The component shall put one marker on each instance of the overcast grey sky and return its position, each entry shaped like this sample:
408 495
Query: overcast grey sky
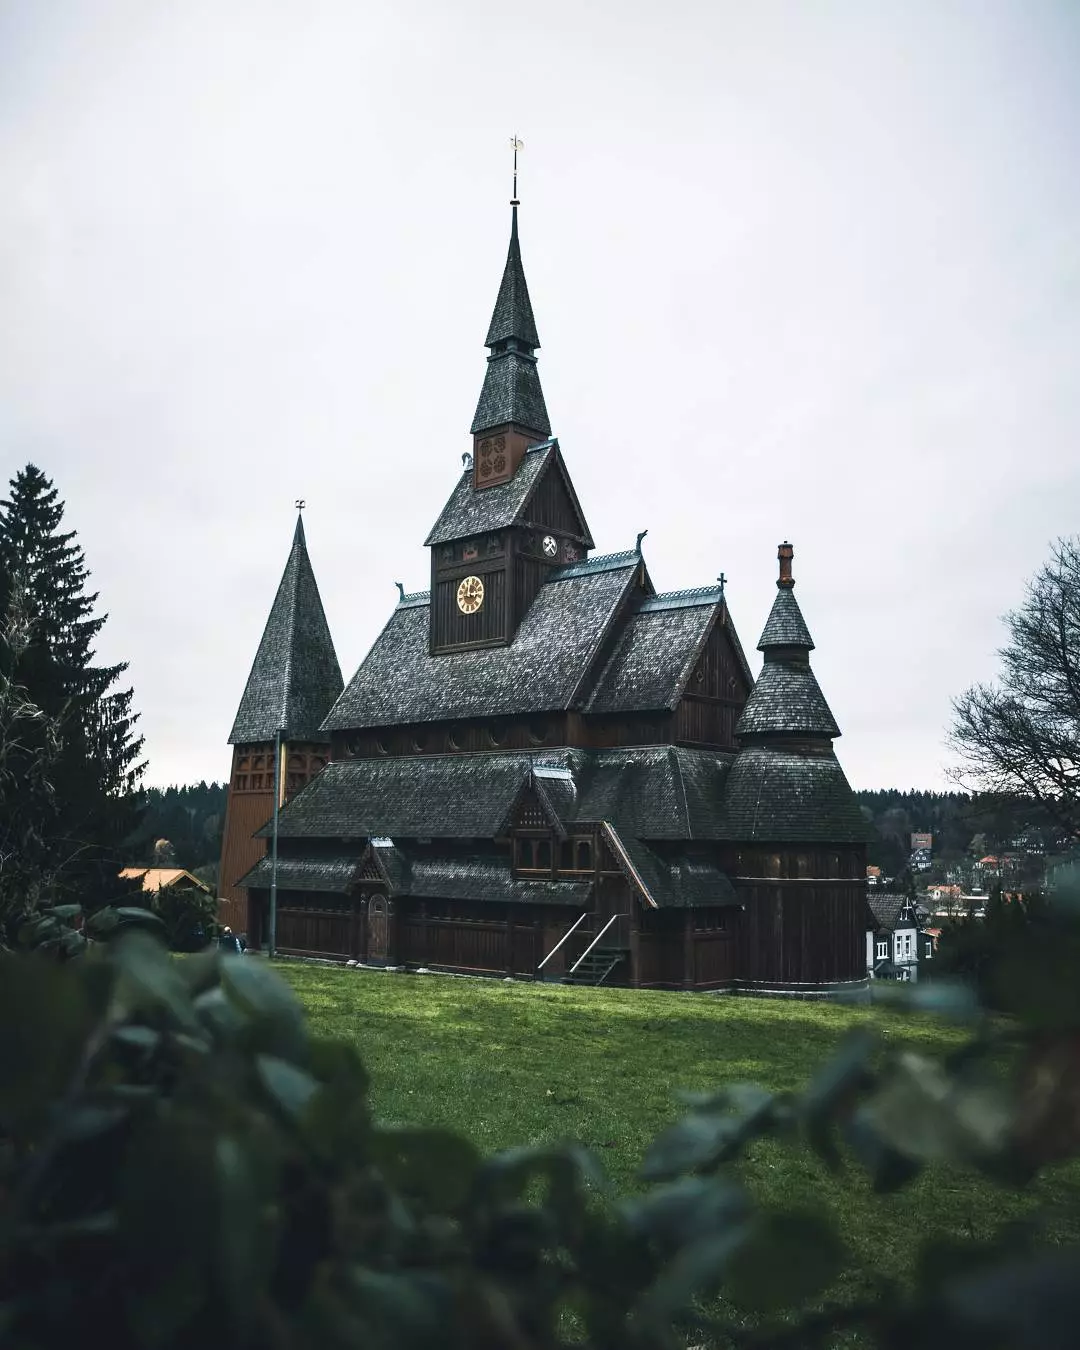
803 269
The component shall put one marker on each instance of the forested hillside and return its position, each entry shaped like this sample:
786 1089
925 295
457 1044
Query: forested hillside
962 825
181 827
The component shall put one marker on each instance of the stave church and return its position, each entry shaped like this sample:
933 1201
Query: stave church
544 768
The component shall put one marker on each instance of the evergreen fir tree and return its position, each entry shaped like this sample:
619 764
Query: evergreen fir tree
96 772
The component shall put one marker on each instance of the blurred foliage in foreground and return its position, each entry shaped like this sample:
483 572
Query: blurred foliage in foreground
183 1165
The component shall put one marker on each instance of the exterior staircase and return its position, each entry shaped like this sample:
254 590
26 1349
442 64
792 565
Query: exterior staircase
597 966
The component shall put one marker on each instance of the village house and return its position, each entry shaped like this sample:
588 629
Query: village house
893 937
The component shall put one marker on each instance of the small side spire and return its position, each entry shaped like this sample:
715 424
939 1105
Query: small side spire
786 701
786 626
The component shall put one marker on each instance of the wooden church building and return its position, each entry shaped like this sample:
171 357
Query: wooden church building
544 767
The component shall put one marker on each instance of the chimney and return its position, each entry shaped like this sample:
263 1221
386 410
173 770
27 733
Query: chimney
785 553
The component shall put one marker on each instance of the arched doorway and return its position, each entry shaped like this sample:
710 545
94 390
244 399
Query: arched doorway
378 930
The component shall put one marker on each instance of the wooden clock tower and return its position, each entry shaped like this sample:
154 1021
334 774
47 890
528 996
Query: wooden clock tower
515 514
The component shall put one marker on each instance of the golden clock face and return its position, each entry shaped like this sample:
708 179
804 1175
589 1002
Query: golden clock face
470 595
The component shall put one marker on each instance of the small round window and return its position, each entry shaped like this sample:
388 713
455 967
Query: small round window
538 732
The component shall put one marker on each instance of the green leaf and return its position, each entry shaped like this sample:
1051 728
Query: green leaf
788 1259
291 1088
567 1168
889 1168
169 1220
944 997
923 1111
696 1270
701 1142
686 1210
833 1089
65 911
436 1166
45 1021
240 1267
275 1017
148 978
1029 1304
134 914
140 1038
87 1120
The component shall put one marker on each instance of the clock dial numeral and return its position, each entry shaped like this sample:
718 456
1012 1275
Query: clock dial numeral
470 595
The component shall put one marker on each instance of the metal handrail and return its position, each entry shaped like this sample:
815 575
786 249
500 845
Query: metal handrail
593 943
560 942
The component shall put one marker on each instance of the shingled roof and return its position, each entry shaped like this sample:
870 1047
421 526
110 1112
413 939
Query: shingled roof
651 792
656 652
470 511
295 677
511 391
327 875
786 626
545 668
781 796
422 796
787 700
512 316
885 910
654 791
678 883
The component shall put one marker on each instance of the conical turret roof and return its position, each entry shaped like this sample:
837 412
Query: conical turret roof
786 626
511 391
786 700
295 678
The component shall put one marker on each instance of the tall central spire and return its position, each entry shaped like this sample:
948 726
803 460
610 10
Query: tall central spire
511 406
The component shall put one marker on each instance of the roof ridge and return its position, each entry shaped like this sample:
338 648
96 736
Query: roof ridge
602 562
686 598
413 600
299 546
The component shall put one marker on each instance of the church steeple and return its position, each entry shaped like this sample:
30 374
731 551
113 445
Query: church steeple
295 677
511 413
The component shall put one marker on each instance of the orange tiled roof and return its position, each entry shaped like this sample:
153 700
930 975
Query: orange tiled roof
158 878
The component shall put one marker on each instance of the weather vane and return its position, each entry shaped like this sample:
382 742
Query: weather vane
300 503
515 145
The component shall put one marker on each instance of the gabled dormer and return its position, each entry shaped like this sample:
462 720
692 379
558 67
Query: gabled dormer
514 513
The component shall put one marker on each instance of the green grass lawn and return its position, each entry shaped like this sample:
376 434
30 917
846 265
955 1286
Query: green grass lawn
524 1063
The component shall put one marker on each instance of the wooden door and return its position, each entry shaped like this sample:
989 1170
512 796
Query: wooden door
378 929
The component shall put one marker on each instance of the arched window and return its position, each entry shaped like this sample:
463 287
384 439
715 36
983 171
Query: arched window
772 864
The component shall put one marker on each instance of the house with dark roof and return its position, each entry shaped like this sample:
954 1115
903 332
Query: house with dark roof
545 767
894 927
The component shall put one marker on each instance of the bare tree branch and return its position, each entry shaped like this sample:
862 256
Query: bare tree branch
1022 735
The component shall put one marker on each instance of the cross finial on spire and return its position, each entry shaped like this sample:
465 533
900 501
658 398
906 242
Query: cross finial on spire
300 503
516 144
721 579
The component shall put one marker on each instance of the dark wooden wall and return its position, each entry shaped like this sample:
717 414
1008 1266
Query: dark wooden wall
715 696
451 630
